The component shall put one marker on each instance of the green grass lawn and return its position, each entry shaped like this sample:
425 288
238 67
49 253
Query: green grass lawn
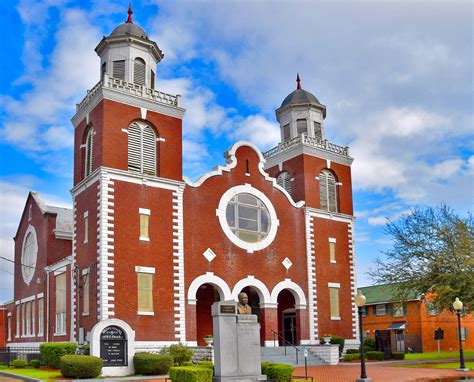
42 373
450 365
436 355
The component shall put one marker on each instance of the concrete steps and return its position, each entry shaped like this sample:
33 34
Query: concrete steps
277 355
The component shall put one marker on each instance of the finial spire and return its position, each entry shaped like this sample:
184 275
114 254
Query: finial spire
298 80
130 12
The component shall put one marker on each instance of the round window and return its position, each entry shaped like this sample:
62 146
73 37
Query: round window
248 218
29 255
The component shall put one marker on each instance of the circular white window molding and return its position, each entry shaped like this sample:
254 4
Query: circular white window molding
29 255
221 213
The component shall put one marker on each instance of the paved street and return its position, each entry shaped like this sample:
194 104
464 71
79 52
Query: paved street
379 373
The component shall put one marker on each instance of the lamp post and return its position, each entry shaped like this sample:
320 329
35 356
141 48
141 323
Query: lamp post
360 302
457 305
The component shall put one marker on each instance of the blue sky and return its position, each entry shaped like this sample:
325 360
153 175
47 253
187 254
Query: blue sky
396 78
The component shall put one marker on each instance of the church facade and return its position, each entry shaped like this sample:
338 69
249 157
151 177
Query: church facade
148 247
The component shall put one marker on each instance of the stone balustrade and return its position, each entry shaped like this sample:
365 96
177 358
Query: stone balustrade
309 141
132 89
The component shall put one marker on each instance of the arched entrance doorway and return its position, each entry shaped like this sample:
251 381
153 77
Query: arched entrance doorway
254 302
207 294
287 318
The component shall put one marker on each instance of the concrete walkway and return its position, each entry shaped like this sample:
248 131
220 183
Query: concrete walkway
379 373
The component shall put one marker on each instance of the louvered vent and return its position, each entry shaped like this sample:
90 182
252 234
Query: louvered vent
301 127
327 191
139 71
284 180
152 79
286 133
119 69
318 131
134 147
141 149
89 152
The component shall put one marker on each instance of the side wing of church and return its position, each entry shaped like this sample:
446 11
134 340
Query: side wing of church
145 247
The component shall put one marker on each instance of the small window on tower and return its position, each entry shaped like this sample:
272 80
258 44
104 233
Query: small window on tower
327 191
286 133
139 71
89 157
332 250
301 127
334 302
318 131
142 149
144 224
145 293
118 69
86 227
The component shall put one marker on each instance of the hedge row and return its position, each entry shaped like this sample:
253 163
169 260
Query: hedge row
179 352
277 371
398 355
352 351
351 357
191 374
80 366
152 364
375 355
53 351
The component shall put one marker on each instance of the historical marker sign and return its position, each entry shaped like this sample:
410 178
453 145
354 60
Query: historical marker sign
439 334
113 346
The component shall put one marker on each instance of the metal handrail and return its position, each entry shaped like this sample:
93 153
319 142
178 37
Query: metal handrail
285 343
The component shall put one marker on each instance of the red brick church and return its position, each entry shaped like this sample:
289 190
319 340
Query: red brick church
145 246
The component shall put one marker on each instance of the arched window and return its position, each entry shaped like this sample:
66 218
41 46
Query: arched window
142 148
284 180
89 157
327 191
139 71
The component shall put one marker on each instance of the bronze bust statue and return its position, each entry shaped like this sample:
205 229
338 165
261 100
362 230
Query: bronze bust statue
243 306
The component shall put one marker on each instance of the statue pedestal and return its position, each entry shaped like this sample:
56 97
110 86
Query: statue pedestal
236 344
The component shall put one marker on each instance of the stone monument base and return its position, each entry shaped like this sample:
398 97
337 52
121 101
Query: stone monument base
249 378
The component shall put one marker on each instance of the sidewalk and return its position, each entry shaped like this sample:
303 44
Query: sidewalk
378 372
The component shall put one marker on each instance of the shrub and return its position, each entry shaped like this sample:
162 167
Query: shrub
53 351
351 357
369 344
398 355
191 374
19 363
152 364
35 363
377 355
208 364
265 366
80 366
336 340
279 372
188 363
180 353
352 351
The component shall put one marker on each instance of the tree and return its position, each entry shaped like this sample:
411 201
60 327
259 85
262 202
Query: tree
433 251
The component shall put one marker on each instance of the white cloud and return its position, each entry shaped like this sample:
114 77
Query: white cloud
258 130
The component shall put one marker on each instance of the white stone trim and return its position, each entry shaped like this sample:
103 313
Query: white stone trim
29 230
145 313
352 265
105 250
24 344
95 346
334 285
178 268
332 239
143 112
144 211
60 271
156 345
311 269
140 269
60 264
231 160
259 286
336 216
221 213
295 289
28 299
209 278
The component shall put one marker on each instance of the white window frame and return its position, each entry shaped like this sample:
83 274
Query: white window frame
18 313
396 307
86 280
9 325
60 317
381 312
326 174
40 316
335 286
332 243
145 270
145 212
86 227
